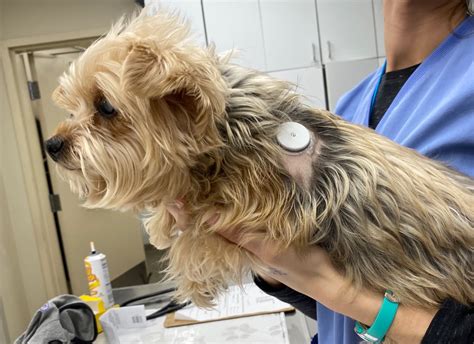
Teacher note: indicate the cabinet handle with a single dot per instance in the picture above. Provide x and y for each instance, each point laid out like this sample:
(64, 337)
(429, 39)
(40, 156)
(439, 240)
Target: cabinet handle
(315, 58)
(329, 50)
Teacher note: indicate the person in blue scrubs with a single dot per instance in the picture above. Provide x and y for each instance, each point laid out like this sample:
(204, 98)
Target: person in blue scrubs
(422, 98)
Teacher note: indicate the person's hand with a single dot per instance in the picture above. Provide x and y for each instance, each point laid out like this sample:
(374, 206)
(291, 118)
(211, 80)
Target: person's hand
(290, 266)
(178, 211)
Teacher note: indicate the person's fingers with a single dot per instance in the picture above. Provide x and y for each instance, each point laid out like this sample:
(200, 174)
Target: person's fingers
(178, 212)
(231, 235)
(253, 245)
(177, 209)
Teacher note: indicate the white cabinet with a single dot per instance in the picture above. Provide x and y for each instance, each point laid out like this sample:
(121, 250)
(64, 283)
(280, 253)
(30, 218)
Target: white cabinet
(236, 25)
(289, 38)
(309, 82)
(341, 77)
(347, 29)
(378, 16)
(189, 9)
(290, 33)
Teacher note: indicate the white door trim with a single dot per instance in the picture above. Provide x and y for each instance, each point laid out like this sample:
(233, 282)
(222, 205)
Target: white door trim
(37, 212)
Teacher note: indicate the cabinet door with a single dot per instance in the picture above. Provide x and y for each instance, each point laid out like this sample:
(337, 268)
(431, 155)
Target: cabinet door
(290, 33)
(341, 77)
(236, 25)
(309, 82)
(347, 29)
(191, 10)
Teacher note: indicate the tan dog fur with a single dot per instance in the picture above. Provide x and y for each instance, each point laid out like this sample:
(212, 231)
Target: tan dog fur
(190, 125)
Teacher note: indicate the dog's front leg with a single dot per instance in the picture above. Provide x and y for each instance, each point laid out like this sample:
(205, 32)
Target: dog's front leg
(203, 264)
(161, 228)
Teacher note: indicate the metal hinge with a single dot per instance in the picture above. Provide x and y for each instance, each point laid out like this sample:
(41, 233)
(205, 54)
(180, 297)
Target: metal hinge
(33, 89)
(55, 203)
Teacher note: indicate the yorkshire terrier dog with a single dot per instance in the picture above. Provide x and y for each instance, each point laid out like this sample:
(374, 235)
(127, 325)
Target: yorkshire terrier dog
(156, 118)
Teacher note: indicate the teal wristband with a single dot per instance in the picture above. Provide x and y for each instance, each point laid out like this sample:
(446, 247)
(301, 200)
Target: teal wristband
(383, 321)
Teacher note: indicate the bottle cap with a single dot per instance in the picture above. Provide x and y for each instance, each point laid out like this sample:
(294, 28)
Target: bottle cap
(293, 137)
(93, 251)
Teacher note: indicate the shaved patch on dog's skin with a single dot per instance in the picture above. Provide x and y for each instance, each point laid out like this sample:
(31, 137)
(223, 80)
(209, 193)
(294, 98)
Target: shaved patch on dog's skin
(299, 164)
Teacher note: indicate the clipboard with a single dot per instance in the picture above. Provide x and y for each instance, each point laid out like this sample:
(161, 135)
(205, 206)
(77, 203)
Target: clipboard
(170, 320)
(237, 302)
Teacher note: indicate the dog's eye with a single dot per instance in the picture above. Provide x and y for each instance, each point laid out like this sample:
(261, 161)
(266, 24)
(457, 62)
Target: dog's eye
(105, 109)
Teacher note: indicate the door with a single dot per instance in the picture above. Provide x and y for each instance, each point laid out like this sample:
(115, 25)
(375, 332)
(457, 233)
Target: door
(116, 234)
(290, 34)
(309, 83)
(347, 30)
(236, 25)
(4, 338)
(341, 77)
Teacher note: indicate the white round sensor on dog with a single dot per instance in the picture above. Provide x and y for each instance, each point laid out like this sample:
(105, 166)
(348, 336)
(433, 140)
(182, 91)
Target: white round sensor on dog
(293, 137)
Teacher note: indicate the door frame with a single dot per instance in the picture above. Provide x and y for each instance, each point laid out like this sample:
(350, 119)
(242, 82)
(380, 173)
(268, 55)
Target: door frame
(45, 245)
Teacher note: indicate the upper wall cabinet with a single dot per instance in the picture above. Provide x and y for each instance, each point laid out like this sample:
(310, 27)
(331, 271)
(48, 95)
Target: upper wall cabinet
(378, 14)
(189, 9)
(290, 33)
(308, 82)
(347, 29)
(236, 25)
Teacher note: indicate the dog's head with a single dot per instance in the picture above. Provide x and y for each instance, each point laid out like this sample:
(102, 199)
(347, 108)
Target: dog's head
(144, 101)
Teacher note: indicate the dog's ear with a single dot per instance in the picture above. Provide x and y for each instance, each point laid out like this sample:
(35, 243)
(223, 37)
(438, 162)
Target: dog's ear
(185, 76)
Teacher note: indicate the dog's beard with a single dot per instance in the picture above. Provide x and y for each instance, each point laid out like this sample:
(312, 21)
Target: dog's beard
(105, 173)
(76, 181)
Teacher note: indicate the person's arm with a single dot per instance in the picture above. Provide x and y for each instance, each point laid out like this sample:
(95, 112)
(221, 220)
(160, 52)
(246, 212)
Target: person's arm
(452, 323)
(315, 276)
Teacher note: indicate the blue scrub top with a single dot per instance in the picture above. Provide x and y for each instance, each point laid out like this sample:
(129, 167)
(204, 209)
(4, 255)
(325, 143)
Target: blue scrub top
(433, 113)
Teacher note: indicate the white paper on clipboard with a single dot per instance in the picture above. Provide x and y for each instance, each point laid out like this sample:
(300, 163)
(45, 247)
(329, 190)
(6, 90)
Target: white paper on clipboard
(235, 302)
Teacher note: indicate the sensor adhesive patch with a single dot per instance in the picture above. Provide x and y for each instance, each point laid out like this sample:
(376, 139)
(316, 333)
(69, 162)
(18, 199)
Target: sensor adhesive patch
(293, 137)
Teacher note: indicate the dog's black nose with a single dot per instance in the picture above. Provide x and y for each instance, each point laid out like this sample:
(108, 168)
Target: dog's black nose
(54, 146)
